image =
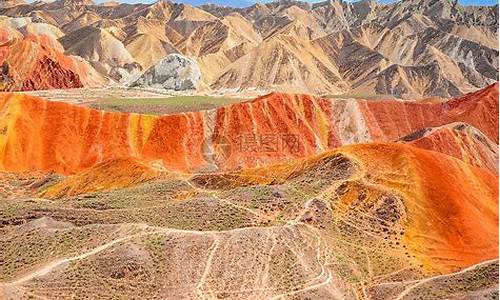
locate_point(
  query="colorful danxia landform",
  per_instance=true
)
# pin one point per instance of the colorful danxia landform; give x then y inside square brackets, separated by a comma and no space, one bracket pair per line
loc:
[38,62]
[429,201]
[435,198]
[52,136]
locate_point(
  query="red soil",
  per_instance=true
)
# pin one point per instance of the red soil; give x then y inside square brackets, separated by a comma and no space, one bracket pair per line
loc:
[463,142]
[37,62]
[54,136]
[391,120]
[452,207]
[322,124]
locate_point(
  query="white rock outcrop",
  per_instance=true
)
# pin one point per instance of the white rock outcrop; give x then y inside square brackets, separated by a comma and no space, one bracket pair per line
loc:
[174,72]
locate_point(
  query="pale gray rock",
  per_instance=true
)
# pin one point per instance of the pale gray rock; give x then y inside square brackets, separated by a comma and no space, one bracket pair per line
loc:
[174,72]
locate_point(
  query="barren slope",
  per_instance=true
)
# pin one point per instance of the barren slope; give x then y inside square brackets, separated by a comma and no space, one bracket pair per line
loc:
[348,223]
[459,140]
[409,49]
[106,53]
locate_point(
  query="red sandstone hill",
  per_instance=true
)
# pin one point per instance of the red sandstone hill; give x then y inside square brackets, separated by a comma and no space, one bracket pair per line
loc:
[323,124]
[443,197]
[436,200]
[37,62]
[53,136]
[459,140]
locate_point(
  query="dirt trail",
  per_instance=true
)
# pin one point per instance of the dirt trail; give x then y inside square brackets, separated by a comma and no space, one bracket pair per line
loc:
[423,281]
[57,263]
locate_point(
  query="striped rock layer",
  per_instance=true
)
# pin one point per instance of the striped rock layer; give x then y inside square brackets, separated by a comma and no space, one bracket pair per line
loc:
[53,136]
[37,62]
[459,140]
[444,200]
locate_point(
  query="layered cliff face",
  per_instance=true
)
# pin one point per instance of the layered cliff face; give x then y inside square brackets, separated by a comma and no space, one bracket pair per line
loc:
[315,124]
[38,62]
[54,136]
[45,135]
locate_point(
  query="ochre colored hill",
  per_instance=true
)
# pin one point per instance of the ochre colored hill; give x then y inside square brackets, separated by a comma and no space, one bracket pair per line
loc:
[36,62]
[447,209]
[54,136]
[45,135]
[479,109]
[452,208]
[115,173]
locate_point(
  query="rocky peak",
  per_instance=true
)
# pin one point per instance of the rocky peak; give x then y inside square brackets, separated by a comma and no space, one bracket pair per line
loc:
[11,3]
[74,2]
[174,72]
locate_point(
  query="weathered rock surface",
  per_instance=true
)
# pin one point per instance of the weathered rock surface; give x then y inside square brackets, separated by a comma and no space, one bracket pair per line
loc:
[54,136]
[46,68]
[103,50]
[174,72]
[459,140]
[11,3]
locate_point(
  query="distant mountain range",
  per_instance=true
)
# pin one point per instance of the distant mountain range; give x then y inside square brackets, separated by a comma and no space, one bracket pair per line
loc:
[244,3]
[407,49]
